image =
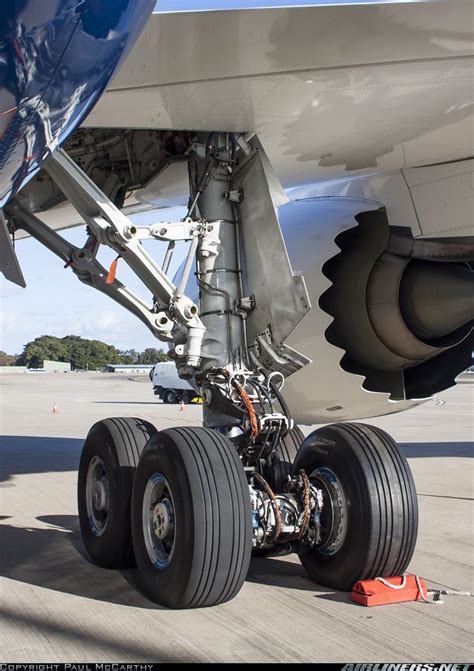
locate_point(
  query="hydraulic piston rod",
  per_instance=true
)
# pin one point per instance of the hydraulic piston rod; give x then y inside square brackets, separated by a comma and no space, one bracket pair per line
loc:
[218,274]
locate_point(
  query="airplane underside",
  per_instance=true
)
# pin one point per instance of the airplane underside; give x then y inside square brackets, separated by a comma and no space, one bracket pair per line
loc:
[324,308]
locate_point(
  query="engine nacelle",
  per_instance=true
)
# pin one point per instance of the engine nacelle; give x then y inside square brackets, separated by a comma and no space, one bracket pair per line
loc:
[394,312]
[400,303]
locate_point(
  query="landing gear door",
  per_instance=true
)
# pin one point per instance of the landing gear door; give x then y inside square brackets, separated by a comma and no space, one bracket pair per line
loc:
[9,264]
[280,296]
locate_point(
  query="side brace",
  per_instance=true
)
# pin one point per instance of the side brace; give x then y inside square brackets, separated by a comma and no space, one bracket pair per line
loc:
[173,316]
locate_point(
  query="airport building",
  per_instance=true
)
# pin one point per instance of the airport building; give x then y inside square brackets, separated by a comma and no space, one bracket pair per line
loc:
[56,366]
[136,368]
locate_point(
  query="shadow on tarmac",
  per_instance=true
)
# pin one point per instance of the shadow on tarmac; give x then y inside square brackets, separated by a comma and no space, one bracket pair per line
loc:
[54,557]
[290,575]
[31,454]
[67,632]
[459,449]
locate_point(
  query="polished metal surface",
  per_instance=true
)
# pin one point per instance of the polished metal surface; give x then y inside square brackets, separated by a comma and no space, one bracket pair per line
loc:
[56,57]
[158,519]
[97,496]
[352,97]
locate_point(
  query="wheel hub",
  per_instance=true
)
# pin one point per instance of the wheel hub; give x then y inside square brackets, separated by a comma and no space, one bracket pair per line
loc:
[97,496]
[100,496]
[333,518]
[158,520]
[163,519]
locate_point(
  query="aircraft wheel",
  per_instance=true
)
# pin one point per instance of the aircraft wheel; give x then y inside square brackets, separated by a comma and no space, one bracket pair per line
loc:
[369,520]
[110,454]
[191,519]
[285,455]
[170,397]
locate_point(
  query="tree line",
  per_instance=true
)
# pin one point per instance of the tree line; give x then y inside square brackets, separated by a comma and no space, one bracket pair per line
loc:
[81,353]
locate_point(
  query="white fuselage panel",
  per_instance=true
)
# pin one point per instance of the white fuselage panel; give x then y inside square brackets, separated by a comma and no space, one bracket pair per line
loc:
[331,91]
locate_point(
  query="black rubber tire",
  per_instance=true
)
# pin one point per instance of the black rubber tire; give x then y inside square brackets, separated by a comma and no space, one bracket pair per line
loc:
[212,512]
[170,397]
[382,508]
[285,455]
[118,441]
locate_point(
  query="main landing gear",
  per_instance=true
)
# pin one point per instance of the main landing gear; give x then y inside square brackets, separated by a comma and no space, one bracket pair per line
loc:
[196,514]
[189,505]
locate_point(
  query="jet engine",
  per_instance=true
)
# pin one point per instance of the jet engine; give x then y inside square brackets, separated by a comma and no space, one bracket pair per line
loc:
[402,308]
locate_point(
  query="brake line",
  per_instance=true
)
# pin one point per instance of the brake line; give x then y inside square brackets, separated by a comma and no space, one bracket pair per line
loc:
[276,508]
[254,430]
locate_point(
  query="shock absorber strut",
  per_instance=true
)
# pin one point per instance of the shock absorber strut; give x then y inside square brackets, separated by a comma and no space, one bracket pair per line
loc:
[211,166]
[227,379]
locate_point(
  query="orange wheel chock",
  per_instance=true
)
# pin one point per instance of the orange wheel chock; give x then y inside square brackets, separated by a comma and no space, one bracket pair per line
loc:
[396,589]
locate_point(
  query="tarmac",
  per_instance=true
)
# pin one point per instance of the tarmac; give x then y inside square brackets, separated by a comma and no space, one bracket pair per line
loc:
[55,606]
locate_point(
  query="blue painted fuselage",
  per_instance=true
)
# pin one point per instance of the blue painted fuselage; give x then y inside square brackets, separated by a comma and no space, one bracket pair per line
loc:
[56,58]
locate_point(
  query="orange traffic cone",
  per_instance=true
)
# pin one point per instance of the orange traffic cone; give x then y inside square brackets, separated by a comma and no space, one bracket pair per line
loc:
[55,408]
[181,406]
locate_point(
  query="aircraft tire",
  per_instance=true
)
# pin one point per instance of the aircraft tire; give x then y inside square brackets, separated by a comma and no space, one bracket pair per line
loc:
[371,523]
[285,455]
[191,519]
[106,470]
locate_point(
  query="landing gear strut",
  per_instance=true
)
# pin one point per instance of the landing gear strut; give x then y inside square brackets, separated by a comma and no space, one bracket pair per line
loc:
[191,504]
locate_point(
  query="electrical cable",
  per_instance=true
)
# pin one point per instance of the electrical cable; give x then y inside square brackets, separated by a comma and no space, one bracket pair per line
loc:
[275,505]
[283,404]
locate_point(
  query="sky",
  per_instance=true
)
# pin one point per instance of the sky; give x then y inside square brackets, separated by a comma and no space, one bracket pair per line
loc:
[56,303]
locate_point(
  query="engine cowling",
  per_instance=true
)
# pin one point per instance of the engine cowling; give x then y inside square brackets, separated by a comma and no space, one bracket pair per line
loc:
[400,303]
[391,314]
